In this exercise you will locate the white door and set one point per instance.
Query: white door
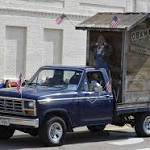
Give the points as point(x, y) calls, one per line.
point(15, 52)
point(53, 46)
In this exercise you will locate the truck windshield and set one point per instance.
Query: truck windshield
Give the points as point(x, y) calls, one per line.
point(57, 78)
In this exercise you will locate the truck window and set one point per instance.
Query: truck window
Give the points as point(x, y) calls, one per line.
point(57, 78)
point(95, 81)
point(45, 75)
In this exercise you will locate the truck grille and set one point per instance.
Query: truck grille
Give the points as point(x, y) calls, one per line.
point(11, 106)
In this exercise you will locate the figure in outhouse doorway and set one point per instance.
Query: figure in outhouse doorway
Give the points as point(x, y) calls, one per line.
point(102, 52)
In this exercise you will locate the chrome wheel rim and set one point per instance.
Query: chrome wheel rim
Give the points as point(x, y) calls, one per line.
point(146, 125)
point(55, 132)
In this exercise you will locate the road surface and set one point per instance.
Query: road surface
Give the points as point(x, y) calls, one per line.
point(113, 138)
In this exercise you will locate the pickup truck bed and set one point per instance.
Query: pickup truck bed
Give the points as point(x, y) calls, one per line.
point(130, 108)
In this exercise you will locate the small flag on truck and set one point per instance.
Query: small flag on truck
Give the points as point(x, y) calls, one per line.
point(108, 87)
point(19, 84)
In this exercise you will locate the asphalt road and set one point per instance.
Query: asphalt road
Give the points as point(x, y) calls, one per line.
point(113, 138)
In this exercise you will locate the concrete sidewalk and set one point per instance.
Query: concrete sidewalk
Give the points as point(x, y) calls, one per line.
point(126, 128)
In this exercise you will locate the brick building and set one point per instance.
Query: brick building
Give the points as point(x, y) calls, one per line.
point(30, 37)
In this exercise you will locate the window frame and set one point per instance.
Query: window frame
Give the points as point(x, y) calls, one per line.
point(36, 75)
point(86, 80)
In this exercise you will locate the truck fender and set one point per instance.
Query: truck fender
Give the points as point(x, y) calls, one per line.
point(60, 113)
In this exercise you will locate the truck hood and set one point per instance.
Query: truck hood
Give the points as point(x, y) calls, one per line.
point(32, 92)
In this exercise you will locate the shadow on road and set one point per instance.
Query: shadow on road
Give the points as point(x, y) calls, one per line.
point(26, 141)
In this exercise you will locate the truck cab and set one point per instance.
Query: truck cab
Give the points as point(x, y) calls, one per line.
point(56, 100)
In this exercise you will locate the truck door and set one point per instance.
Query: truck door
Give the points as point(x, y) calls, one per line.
point(96, 105)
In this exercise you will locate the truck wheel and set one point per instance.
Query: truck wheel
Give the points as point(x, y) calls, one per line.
point(96, 128)
point(142, 125)
point(53, 131)
point(6, 132)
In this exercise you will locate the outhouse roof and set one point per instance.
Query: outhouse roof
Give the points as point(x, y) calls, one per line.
point(103, 21)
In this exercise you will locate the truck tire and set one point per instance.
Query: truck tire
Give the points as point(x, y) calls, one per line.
point(6, 132)
point(53, 131)
point(97, 128)
point(142, 125)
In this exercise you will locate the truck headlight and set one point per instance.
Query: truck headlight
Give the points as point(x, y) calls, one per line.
point(29, 104)
point(30, 108)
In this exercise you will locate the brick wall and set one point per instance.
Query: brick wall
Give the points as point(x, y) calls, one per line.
point(38, 16)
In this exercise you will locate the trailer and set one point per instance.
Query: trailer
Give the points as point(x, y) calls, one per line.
point(129, 61)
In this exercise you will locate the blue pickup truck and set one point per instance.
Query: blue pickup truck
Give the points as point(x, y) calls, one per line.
point(57, 99)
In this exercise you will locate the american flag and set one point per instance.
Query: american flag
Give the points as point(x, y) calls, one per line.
point(108, 87)
point(60, 19)
point(115, 22)
point(19, 84)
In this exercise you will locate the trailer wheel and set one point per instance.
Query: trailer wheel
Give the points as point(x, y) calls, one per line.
point(142, 125)
point(6, 132)
point(96, 128)
point(53, 131)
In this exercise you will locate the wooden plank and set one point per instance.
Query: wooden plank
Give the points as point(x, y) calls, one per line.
point(124, 64)
point(133, 106)
point(137, 96)
point(138, 67)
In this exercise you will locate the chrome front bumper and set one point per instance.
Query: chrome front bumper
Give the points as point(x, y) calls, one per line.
point(6, 121)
